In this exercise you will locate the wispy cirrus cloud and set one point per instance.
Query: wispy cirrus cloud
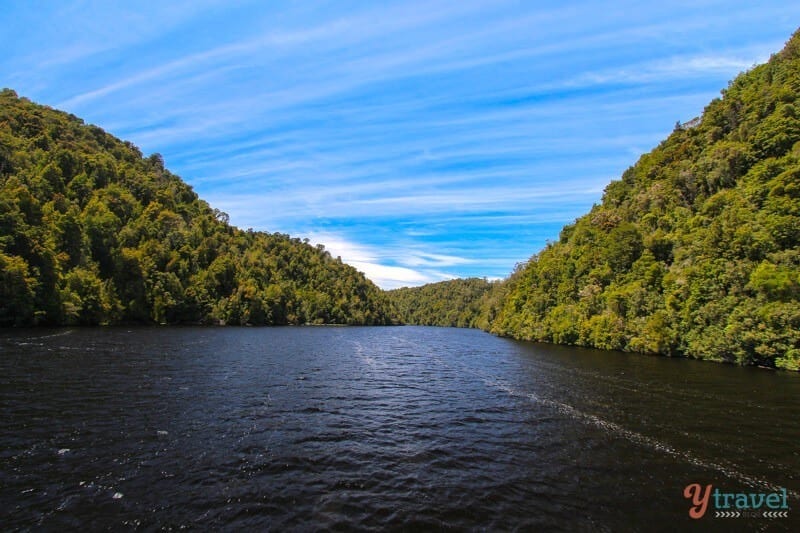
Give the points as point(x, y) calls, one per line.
point(389, 268)
point(422, 140)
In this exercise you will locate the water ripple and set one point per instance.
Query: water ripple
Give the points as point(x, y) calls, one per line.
point(371, 429)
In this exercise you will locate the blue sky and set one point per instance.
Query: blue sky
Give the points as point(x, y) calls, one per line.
point(419, 140)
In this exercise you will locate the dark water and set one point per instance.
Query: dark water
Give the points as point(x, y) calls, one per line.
point(377, 428)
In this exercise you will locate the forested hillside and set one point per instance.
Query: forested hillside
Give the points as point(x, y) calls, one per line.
point(455, 303)
point(91, 232)
point(696, 250)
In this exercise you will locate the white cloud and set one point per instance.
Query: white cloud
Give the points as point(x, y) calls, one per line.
point(421, 259)
point(391, 277)
point(372, 261)
point(663, 70)
point(461, 134)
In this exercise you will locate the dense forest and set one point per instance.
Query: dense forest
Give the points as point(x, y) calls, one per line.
point(454, 303)
point(694, 252)
point(92, 232)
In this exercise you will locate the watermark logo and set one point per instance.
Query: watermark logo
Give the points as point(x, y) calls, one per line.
point(735, 504)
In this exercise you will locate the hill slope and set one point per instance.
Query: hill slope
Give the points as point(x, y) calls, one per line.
point(91, 232)
point(455, 303)
point(696, 250)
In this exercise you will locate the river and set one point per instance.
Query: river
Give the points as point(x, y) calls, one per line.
point(374, 428)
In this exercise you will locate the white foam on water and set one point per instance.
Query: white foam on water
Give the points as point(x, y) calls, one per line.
point(358, 349)
point(59, 334)
point(729, 470)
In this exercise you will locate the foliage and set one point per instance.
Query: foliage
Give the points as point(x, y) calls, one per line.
point(455, 303)
point(696, 250)
point(92, 232)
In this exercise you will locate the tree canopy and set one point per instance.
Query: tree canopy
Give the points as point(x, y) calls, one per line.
point(695, 251)
point(455, 303)
point(93, 232)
